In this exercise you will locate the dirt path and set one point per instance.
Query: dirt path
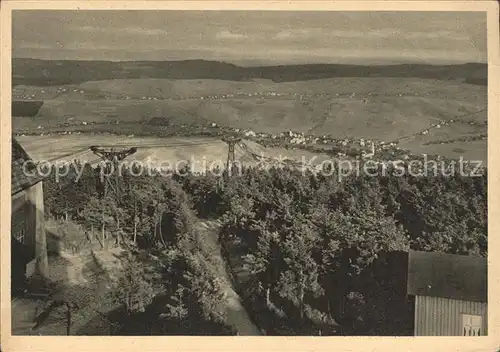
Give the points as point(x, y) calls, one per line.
point(236, 313)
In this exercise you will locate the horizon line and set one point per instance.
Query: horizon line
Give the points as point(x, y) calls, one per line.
point(403, 62)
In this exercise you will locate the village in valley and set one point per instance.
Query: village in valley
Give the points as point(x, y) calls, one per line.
point(274, 237)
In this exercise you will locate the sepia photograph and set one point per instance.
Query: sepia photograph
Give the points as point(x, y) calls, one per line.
point(257, 173)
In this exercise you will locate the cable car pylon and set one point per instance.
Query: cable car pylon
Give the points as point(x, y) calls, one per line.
point(112, 160)
point(231, 159)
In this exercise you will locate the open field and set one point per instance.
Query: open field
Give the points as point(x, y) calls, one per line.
point(384, 119)
point(196, 88)
point(381, 108)
point(148, 89)
point(155, 151)
point(471, 151)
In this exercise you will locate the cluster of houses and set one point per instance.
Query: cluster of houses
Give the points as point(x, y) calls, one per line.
point(62, 89)
point(298, 139)
point(288, 94)
point(363, 148)
point(437, 126)
point(481, 136)
point(74, 90)
point(446, 123)
point(25, 94)
point(63, 133)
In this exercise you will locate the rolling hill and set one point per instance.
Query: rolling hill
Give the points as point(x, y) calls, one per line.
point(383, 108)
point(47, 73)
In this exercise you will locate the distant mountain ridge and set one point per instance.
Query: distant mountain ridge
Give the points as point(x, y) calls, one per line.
point(39, 72)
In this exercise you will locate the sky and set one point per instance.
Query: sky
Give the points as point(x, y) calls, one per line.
point(251, 37)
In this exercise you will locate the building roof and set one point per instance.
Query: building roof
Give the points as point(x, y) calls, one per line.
point(447, 276)
point(23, 175)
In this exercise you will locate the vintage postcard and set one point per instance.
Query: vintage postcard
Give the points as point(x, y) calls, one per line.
point(244, 175)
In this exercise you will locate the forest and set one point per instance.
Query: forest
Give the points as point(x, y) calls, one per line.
point(298, 245)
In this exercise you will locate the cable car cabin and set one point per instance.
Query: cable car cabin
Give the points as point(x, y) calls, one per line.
point(28, 241)
point(433, 294)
